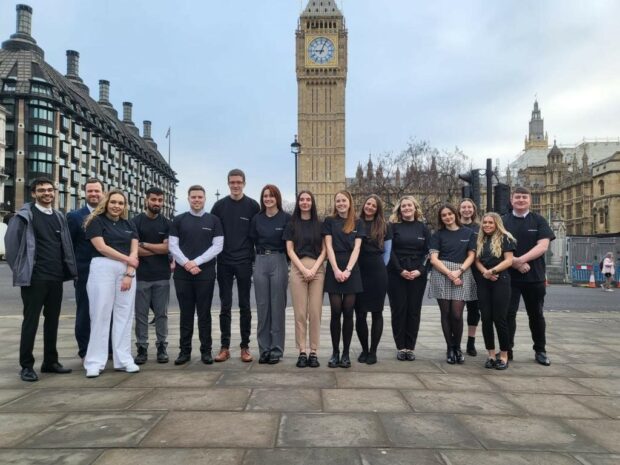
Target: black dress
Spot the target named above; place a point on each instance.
(343, 245)
(374, 273)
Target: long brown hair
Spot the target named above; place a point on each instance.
(314, 221)
(275, 192)
(378, 228)
(453, 209)
(102, 208)
(349, 223)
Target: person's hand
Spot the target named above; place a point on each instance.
(189, 265)
(346, 274)
(133, 261)
(458, 282)
(517, 262)
(487, 274)
(309, 274)
(195, 270)
(126, 283)
(524, 268)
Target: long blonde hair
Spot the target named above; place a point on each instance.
(103, 207)
(497, 237)
(397, 217)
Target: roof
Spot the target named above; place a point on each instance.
(321, 8)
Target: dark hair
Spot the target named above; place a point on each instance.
(196, 187)
(275, 192)
(450, 207)
(521, 190)
(156, 191)
(94, 181)
(378, 229)
(39, 182)
(296, 220)
(236, 172)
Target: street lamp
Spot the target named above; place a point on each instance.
(295, 149)
(217, 194)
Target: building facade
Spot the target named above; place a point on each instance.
(54, 128)
(4, 208)
(321, 68)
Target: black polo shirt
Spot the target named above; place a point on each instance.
(116, 234)
(268, 232)
(453, 245)
(153, 231)
(341, 241)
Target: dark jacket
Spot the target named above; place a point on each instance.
(82, 247)
(20, 246)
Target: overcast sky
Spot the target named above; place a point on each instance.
(455, 73)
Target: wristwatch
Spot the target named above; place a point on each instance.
(130, 275)
(494, 272)
(141, 244)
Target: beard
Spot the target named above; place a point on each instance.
(154, 210)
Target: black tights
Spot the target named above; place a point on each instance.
(342, 306)
(452, 321)
(361, 327)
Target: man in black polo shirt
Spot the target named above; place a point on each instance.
(40, 254)
(235, 212)
(196, 237)
(153, 276)
(533, 236)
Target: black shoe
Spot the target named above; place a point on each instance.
(302, 360)
(541, 357)
(501, 365)
(363, 358)
(372, 358)
(28, 374)
(450, 357)
(207, 357)
(273, 359)
(334, 361)
(471, 350)
(345, 361)
(183, 357)
(264, 358)
(490, 363)
(55, 368)
(313, 361)
(410, 355)
(458, 355)
(162, 354)
(142, 356)
(401, 355)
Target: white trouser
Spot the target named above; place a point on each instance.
(107, 300)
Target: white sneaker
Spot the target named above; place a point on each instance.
(609, 290)
(603, 287)
(92, 373)
(132, 368)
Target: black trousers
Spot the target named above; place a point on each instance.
(82, 316)
(46, 296)
(195, 297)
(473, 312)
(534, 300)
(226, 275)
(406, 305)
(493, 298)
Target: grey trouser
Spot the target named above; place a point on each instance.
(270, 282)
(155, 295)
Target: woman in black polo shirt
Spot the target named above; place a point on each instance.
(305, 248)
(270, 274)
(111, 284)
(343, 239)
(468, 214)
(452, 252)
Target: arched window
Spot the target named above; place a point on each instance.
(601, 187)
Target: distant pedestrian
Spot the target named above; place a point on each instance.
(111, 287)
(374, 257)
(270, 274)
(609, 271)
(40, 254)
(468, 214)
(306, 250)
(494, 251)
(343, 239)
(407, 274)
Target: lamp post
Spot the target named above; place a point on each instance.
(217, 194)
(295, 149)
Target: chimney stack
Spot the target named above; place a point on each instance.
(127, 112)
(73, 64)
(146, 133)
(104, 92)
(24, 20)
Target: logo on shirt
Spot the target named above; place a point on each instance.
(464, 240)
(244, 218)
(128, 232)
(532, 230)
(208, 229)
(421, 238)
(279, 229)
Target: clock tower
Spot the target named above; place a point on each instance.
(321, 66)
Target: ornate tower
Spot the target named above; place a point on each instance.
(537, 136)
(321, 67)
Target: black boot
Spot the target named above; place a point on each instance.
(471, 347)
(142, 355)
(162, 354)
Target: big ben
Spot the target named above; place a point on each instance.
(321, 66)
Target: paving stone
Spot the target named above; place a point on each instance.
(183, 378)
(308, 379)
(581, 348)
(85, 430)
(598, 459)
(538, 385)
(285, 400)
(8, 395)
(364, 400)
(214, 429)
(194, 399)
(453, 382)
(489, 457)
(400, 457)
(78, 379)
(391, 365)
(352, 379)
(447, 402)
(47, 457)
(551, 405)
(301, 456)
(145, 456)
(609, 406)
(535, 369)
(427, 431)
(600, 371)
(535, 434)
(15, 427)
(603, 432)
(330, 430)
(609, 386)
(68, 400)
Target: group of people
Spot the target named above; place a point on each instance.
(121, 269)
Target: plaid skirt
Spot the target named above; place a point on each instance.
(440, 286)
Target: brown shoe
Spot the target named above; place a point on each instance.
(223, 355)
(246, 356)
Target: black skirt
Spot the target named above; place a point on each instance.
(374, 282)
(353, 285)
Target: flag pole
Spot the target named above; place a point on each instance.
(169, 137)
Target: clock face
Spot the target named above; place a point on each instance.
(321, 50)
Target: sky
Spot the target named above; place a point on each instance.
(221, 75)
